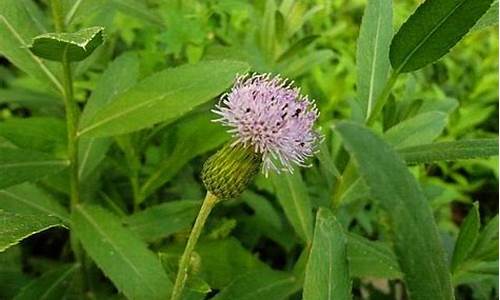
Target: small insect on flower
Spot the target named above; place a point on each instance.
(270, 115)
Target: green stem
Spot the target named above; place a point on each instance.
(382, 98)
(72, 114)
(182, 273)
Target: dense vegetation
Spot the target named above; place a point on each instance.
(105, 123)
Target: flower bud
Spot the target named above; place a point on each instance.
(227, 173)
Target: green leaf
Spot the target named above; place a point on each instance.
(297, 47)
(120, 75)
(74, 46)
(421, 129)
(258, 285)
(371, 258)
(16, 227)
(198, 130)
(28, 199)
(17, 28)
(139, 10)
(434, 28)
(51, 285)
(162, 220)
(163, 97)
(448, 151)
(36, 133)
(327, 272)
(120, 254)
(19, 165)
(469, 232)
(292, 195)
(372, 57)
(490, 18)
(263, 210)
(417, 242)
(487, 243)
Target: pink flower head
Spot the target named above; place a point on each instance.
(269, 114)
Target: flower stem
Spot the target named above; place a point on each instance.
(182, 273)
(72, 115)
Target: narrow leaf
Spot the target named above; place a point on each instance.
(421, 129)
(162, 220)
(18, 165)
(74, 46)
(372, 57)
(469, 232)
(28, 199)
(434, 28)
(258, 285)
(16, 227)
(163, 97)
(120, 254)
(418, 246)
(327, 272)
(292, 195)
(448, 151)
(51, 285)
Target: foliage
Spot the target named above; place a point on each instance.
(105, 124)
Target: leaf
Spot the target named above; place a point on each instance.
(487, 242)
(434, 28)
(490, 18)
(327, 272)
(469, 232)
(257, 285)
(163, 97)
(263, 210)
(421, 129)
(448, 151)
(120, 75)
(162, 220)
(17, 28)
(75, 46)
(292, 194)
(371, 258)
(19, 165)
(139, 10)
(372, 57)
(120, 254)
(198, 130)
(297, 47)
(418, 246)
(28, 199)
(37, 133)
(16, 227)
(303, 64)
(51, 285)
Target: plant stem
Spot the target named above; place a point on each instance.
(182, 273)
(382, 98)
(72, 115)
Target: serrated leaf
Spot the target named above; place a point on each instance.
(160, 221)
(16, 227)
(421, 129)
(448, 151)
(434, 28)
(371, 258)
(120, 75)
(372, 57)
(120, 254)
(74, 46)
(51, 285)
(19, 165)
(469, 232)
(293, 198)
(28, 199)
(163, 97)
(17, 28)
(264, 284)
(327, 272)
(417, 242)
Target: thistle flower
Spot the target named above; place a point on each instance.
(270, 115)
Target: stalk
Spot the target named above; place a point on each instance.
(72, 115)
(182, 273)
